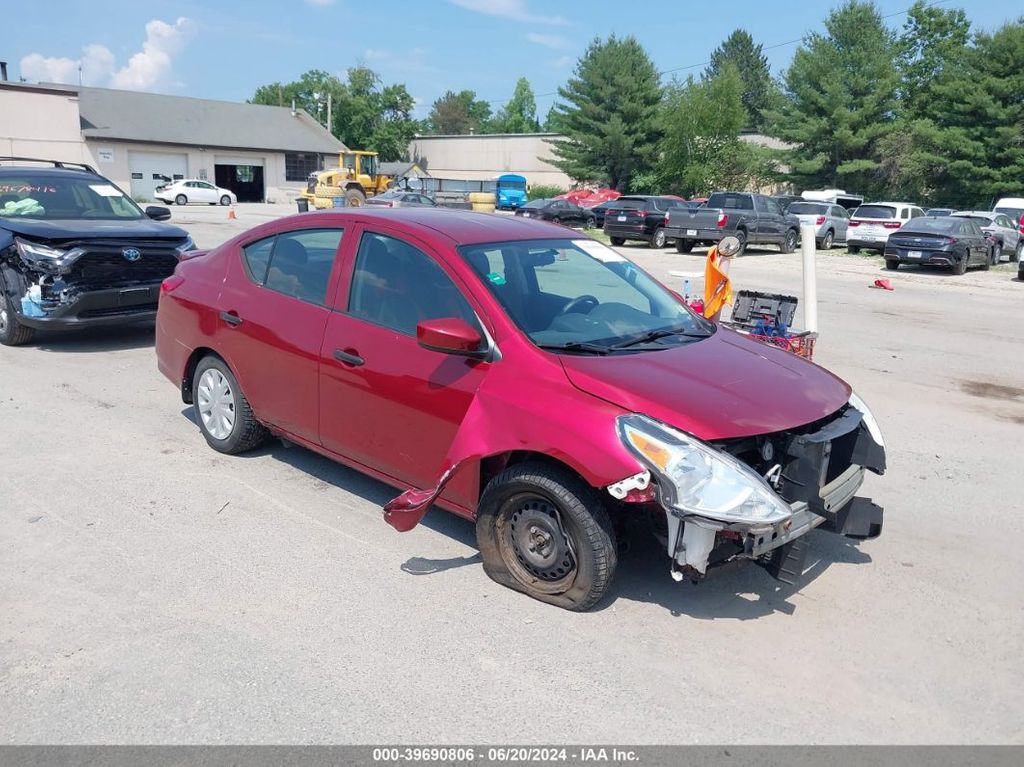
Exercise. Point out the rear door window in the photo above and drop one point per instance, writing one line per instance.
(301, 263)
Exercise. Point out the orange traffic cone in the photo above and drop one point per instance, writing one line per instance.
(231, 215)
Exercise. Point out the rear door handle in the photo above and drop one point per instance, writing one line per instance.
(231, 318)
(348, 359)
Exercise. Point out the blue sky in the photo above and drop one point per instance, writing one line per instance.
(225, 49)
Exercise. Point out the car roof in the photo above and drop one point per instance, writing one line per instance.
(985, 213)
(460, 227)
(17, 170)
(892, 204)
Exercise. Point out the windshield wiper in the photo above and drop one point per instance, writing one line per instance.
(576, 346)
(654, 335)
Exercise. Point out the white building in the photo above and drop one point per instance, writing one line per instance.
(137, 140)
(486, 156)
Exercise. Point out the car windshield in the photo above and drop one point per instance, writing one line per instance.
(982, 220)
(512, 185)
(582, 296)
(875, 211)
(59, 197)
(798, 208)
(944, 225)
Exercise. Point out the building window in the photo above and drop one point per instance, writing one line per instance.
(297, 167)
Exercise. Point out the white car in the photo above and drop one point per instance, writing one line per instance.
(871, 224)
(187, 190)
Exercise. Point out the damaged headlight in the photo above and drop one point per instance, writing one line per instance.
(869, 418)
(46, 258)
(186, 246)
(697, 478)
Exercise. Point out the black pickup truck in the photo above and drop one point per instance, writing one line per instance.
(755, 219)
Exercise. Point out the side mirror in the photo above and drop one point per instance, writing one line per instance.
(158, 213)
(450, 335)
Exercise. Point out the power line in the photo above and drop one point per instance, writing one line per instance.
(763, 48)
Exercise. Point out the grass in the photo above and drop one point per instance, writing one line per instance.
(598, 234)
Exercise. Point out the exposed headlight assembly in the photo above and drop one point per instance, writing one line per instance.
(698, 479)
(45, 257)
(186, 246)
(869, 418)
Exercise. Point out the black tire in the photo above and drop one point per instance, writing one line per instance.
(354, 198)
(1018, 252)
(542, 495)
(590, 223)
(989, 260)
(12, 332)
(684, 246)
(829, 240)
(892, 264)
(741, 235)
(246, 432)
(618, 241)
(960, 267)
(225, 200)
(657, 240)
(181, 200)
(853, 250)
(790, 241)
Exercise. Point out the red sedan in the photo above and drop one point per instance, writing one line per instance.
(522, 376)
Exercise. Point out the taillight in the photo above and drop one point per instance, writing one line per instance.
(170, 283)
(855, 222)
(723, 219)
(819, 221)
(668, 217)
(891, 224)
(951, 240)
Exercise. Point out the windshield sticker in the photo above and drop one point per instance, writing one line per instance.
(26, 189)
(496, 279)
(106, 190)
(595, 249)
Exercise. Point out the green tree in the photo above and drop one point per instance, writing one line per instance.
(520, 114)
(458, 113)
(759, 90)
(840, 100)
(932, 48)
(608, 114)
(701, 150)
(309, 92)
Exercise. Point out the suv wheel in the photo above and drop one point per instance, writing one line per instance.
(618, 241)
(892, 264)
(12, 332)
(658, 238)
(853, 250)
(181, 200)
(543, 531)
(684, 246)
(828, 241)
(222, 411)
(790, 241)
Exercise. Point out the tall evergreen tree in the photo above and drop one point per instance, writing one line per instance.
(759, 89)
(520, 114)
(840, 99)
(608, 114)
(458, 113)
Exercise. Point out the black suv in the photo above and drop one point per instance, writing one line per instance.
(76, 251)
(640, 217)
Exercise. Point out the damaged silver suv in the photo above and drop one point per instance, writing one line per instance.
(76, 251)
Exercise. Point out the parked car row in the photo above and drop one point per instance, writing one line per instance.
(525, 377)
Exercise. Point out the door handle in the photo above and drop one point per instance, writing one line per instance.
(231, 318)
(348, 359)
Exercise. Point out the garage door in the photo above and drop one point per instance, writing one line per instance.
(149, 168)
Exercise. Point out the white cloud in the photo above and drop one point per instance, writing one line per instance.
(152, 67)
(320, 3)
(562, 62)
(548, 41)
(513, 10)
(413, 60)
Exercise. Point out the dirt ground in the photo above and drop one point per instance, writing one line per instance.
(153, 591)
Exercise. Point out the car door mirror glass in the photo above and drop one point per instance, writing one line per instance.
(450, 335)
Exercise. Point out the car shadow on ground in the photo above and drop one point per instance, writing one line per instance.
(89, 340)
(739, 590)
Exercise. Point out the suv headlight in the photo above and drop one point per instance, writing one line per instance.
(697, 478)
(186, 246)
(45, 257)
(869, 418)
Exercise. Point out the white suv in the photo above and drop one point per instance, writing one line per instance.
(871, 224)
(187, 190)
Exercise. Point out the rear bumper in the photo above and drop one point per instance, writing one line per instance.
(931, 257)
(626, 231)
(697, 235)
(100, 308)
(857, 242)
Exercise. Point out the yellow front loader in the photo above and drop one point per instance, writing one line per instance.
(353, 181)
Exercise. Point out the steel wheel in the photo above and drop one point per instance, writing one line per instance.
(3, 318)
(828, 242)
(181, 200)
(658, 238)
(535, 545)
(216, 404)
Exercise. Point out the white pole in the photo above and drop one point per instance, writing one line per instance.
(808, 249)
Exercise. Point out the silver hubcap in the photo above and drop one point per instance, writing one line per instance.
(3, 319)
(216, 404)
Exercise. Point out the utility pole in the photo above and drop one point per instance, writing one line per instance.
(330, 123)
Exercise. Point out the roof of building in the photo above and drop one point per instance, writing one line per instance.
(402, 169)
(162, 119)
(431, 137)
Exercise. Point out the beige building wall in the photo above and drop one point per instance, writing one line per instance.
(487, 156)
(40, 122)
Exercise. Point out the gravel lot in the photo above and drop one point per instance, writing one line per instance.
(153, 591)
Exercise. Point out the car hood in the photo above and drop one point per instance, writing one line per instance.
(721, 387)
(73, 229)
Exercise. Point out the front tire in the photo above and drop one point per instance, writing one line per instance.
(181, 200)
(225, 200)
(222, 411)
(684, 246)
(741, 235)
(790, 241)
(657, 240)
(618, 242)
(544, 532)
(354, 198)
(12, 332)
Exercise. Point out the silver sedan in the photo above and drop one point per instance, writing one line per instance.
(999, 226)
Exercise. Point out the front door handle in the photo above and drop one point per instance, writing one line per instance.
(231, 318)
(347, 358)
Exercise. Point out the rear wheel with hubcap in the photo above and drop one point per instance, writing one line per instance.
(543, 531)
(222, 411)
(790, 241)
(617, 241)
(181, 200)
(892, 264)
(658, 238)
(960, 266)
(828, 241)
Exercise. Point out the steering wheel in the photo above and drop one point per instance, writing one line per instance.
(577, 304)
